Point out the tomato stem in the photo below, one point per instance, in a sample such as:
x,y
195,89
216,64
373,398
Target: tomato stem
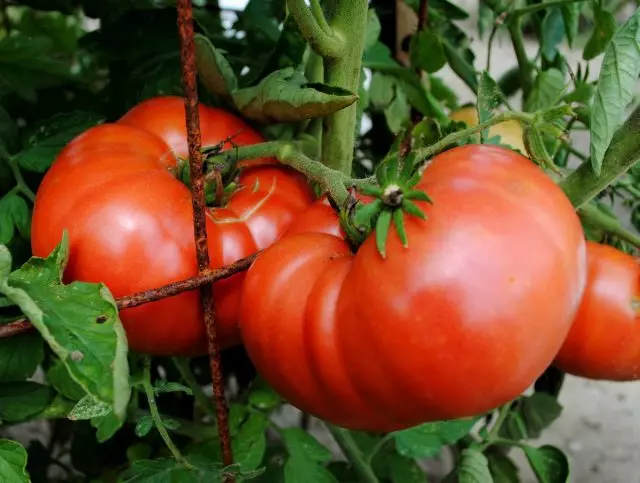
x,y
21,185
611,225
353,453
582,185
348,19
315,29
157,419
182,364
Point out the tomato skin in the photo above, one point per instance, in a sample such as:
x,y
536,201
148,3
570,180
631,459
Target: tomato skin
x,y
604,341
130,221
461,321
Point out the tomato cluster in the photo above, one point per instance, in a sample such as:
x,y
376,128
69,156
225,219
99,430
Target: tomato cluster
x,y
130,225
494,286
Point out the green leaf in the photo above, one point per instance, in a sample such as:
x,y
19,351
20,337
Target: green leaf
x,y
400,469
262,396
616,84
548,463
426,440
213,69
474,467
460,65
303,444
547,90
59,377
382,231
23,400
144,426
20,356
571,20
398,112
250,443
373,29
163,386
26,65
530,415
170,471
286,96
489,97
106,426
553,32
298,469
80,323
426,51
49,139
14,212
88,408
13,462
604,28
382,90
502,468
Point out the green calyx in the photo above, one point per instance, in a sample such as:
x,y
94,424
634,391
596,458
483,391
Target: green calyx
x,y
395,196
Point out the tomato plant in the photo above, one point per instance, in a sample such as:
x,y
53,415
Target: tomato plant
x,y
603,342
315,241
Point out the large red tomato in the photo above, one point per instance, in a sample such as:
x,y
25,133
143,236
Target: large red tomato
x,y
130,221
604,341
461,321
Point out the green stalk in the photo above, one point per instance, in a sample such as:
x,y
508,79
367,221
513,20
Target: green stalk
x,y
157,419
543,6
323,40
608,223
21,184
353,454
182,364
526,71
583,184
287,153
348,20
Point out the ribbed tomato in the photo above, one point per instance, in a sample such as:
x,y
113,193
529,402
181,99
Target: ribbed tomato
x,y
462,320
130,221
604,341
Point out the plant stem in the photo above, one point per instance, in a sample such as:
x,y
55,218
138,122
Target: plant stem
x,y
182,364
379,445
583,184
287,153
503,414
353,454
526,73
348,20
318,33
21,185
157,419
429,151
608,223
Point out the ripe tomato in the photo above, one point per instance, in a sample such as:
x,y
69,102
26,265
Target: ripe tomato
x,y
461,321
604,341
510,132
130,221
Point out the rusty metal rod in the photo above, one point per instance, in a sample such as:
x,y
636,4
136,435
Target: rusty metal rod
x,y
20,326
190,86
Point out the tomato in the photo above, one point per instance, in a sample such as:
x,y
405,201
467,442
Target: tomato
x,y
130,221
462,320
510,132
604,341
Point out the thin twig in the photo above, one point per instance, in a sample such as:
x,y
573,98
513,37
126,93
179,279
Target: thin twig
x,y
190,86
209,276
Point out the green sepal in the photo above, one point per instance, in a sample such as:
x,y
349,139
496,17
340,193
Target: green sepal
x,y
415,179
381,173
382,231
371,190
411,208
408,167
365,214
398,220
534,144
392,165
418,195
